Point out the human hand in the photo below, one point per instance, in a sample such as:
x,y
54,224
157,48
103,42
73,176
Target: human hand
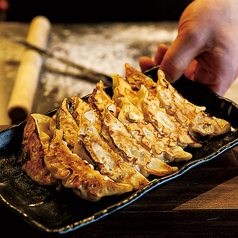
x,y
206,47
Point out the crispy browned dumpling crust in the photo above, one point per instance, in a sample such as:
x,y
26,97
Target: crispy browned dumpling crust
x,y
66,122
189,115
135,78
99,99
133,119
121,88
166,124
78,174
36,139
83,107
106,160
146,134
92,115
80,107
107,146
132,152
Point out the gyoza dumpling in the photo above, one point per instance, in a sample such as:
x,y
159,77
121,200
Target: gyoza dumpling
x,y
100,100
68,118
122,89
66,122
143,132
79,175
135,78
36,138
106,160
134,154
146,134
188,115
83,107
166,124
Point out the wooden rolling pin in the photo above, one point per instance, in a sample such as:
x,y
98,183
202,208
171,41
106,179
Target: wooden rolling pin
x,y
23,93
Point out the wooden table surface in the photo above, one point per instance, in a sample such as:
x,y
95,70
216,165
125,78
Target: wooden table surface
x,y
201,203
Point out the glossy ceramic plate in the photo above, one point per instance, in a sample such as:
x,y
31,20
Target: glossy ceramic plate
x,y
59,212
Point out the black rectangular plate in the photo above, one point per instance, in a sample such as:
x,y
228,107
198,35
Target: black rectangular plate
x,y
59,212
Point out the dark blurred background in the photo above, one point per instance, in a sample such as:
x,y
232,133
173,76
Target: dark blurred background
x,y
96,11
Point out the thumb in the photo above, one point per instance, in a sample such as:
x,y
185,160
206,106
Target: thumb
x,y
189,43
178,57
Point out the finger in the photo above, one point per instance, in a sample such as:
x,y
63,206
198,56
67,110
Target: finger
x,y
179,56
189,43
190,71
162,49
146,63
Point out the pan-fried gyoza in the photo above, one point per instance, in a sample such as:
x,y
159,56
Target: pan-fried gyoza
x,y
189,115
66,122
36,139
108,162
121,89
83,107
146,134
166,124
161,148
135,78
101,146
99,100
152,111
132,152
79,175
